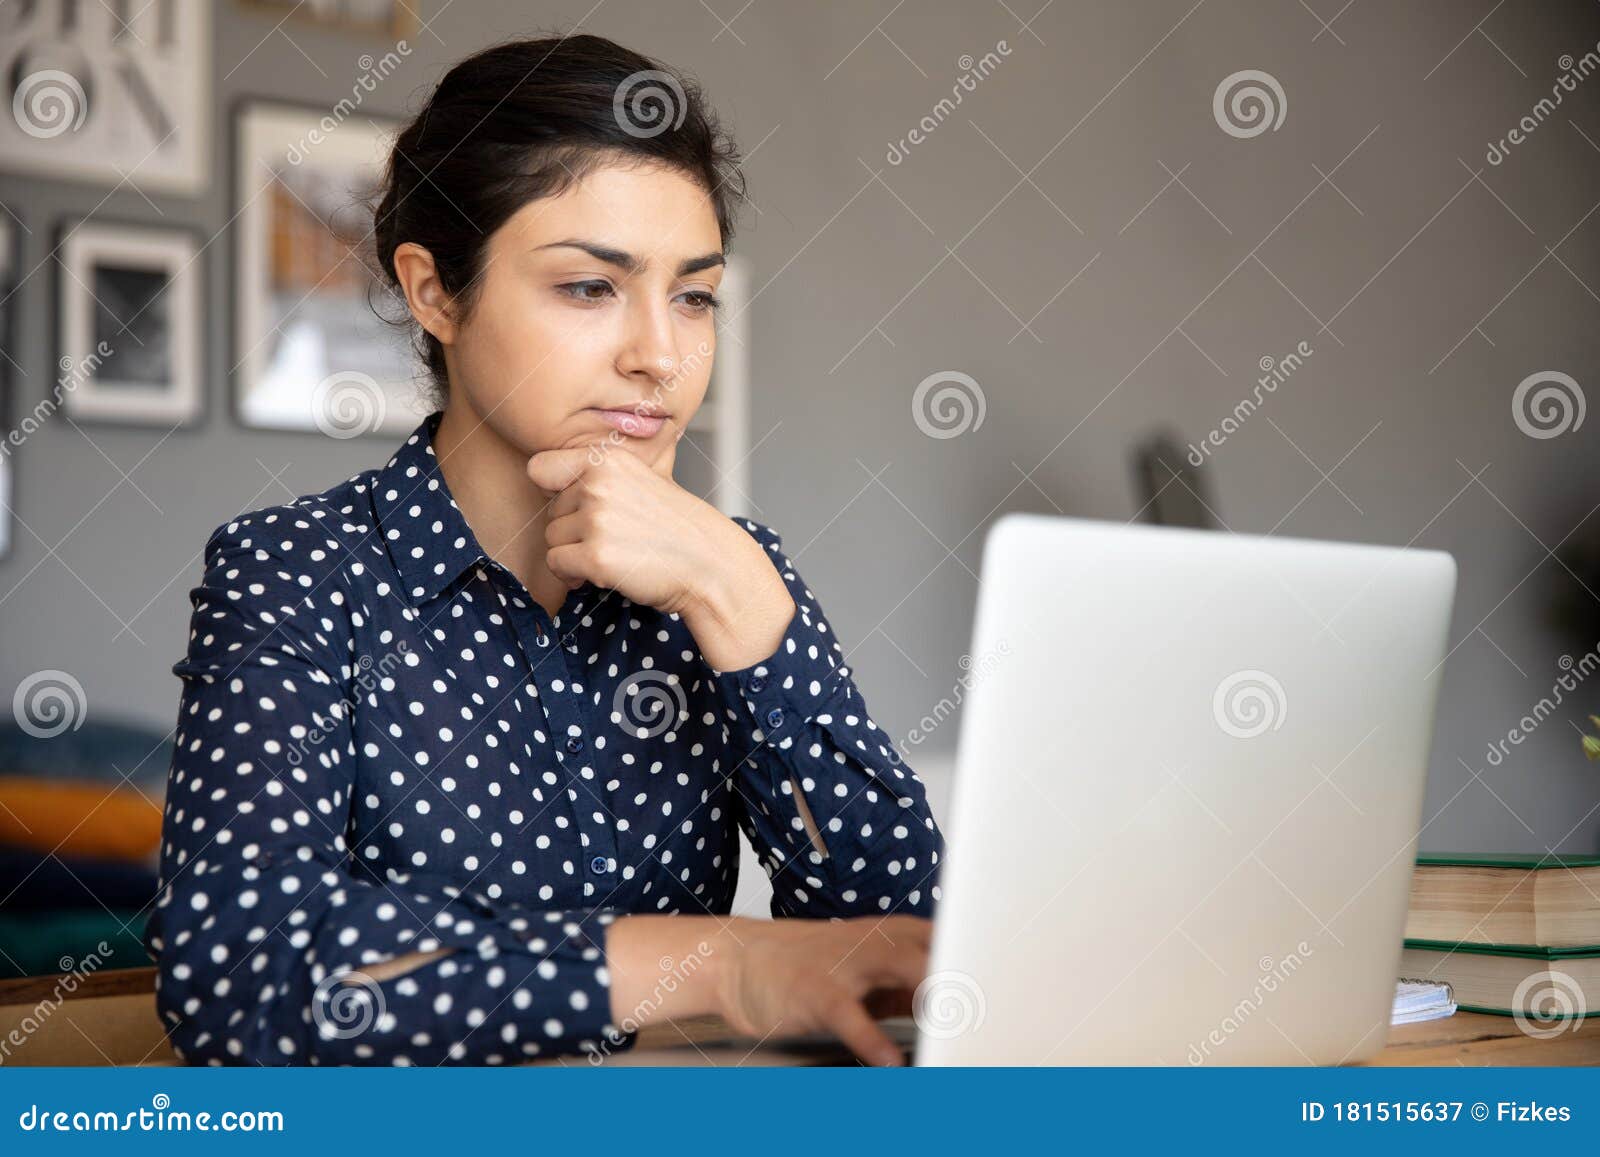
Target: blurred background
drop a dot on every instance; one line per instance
(1323, 269)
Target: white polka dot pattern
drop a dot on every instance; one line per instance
(385, 746)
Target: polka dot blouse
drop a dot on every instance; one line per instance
(385, 746)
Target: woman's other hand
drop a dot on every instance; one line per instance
(834, 976)
(772, 978)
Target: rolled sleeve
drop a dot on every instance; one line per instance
(840, 822)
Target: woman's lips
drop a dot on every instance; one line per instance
(630, 423)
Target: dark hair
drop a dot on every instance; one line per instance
(527, 119)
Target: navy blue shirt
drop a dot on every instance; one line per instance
(386, 746)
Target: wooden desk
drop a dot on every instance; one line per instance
(1476, 1038)
(1467, 1038)
(111, 1020)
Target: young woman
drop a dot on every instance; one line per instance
(466, 741)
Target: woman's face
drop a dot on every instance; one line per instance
(599, 299)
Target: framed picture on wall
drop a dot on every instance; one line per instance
(397, 18)
(9, 260)
(310, 352)
(108, 93)
(128, 308)
(723, 420)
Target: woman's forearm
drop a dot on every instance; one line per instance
(661, 966)
(668, 966)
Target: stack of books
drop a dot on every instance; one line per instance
(1515, 935)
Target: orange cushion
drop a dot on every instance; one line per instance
(78, 817)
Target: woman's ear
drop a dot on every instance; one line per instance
(425, 295)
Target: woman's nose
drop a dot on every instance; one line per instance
(652, 346)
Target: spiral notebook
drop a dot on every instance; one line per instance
(1416, 1000)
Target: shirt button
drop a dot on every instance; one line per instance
(775, 718)
(574, 743)
(757, 682)
(598, 865)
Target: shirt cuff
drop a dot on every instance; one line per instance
(551, 938)
(568, 995)
(793, 684)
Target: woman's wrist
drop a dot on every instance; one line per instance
(738, 613)
(667, 967)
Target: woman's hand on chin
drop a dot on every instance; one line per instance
(626, 526)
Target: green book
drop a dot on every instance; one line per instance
(1547, 987)
(1527, 951)
(1529, 861)
(1506, 898)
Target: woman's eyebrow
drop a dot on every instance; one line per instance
(630, 264)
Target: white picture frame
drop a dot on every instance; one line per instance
(309, 354)
(9, 261)
(128, 302)
(390, 18)
(108, 99)
(723, 419)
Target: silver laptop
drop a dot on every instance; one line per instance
(1188, 791)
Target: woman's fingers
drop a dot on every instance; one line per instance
(896, 963)
(848, 1020)
(564, 531)
(887, 1002)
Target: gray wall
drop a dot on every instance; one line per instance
(874, 275)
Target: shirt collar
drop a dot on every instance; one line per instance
(426, 534)
(424, 530)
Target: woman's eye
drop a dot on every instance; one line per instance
(702, 302)
(586, 290)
